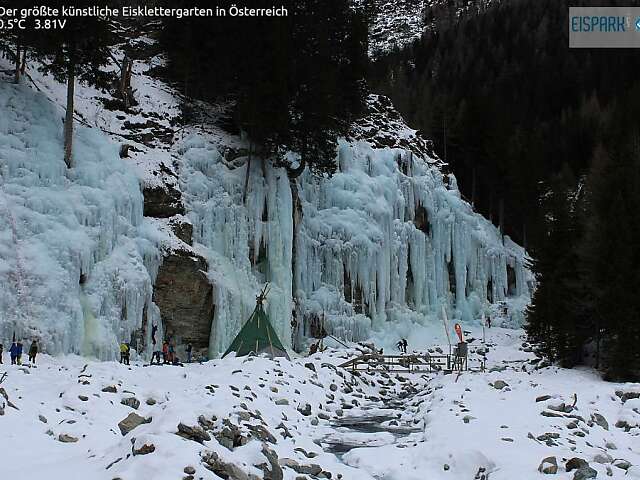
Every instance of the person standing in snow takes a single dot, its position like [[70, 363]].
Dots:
[[19, 353], [405, 344], [165, 352], [488, 321], [172, 353], [13, 352], [156, 356], [1, 352], [123, 352], [33, 351], [189, 349]]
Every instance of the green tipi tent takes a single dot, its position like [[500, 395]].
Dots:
[[257, 336]]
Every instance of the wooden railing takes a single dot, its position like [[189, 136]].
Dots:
[[412, 363]]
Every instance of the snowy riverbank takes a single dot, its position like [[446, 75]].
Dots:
[[303, 415]]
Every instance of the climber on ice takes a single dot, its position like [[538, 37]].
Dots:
[[154, 329]]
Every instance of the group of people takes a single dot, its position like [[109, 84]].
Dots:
[[15, 352], [164, 356], [168, 354], [402, 345]]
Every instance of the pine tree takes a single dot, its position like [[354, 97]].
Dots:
[[611, 252], [296, 81], [552, 320]]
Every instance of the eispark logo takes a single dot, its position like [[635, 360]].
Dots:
[[604, 27], [598, 24]]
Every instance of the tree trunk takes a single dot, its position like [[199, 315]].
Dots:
[[246, 178], [68, 120], [501, 219], [125, 81], [17, 76], [23, 66], [473, 188], [296, 220]]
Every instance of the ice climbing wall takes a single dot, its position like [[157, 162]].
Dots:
[[385, 239], [76, 269], [390, 237]]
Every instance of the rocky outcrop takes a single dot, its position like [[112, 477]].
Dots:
[[162, 201], [184, 296], [182, 229]]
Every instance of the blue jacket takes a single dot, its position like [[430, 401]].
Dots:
[[19, 349], [13, 350]]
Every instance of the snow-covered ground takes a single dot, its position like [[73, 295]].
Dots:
[[242, 416]]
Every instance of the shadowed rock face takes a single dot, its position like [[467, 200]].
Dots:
[[185, 298], [162, 202]]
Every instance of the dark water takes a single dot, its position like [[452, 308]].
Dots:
[[374, 423]]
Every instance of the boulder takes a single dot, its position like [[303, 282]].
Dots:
[[622, 464], [230, 436], [275, 471], [603, 458], [110, 389], [132, 421], [312, 469], [548, 466], [195, 433], [132, 402], [499, 384], [305, 409], [146, 449], [575, 463], [64, 438], [583, 473], [624, 396], [261, 433], [600, 420], [214, 463]]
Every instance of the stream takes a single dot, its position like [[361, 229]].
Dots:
[[372, 427]]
